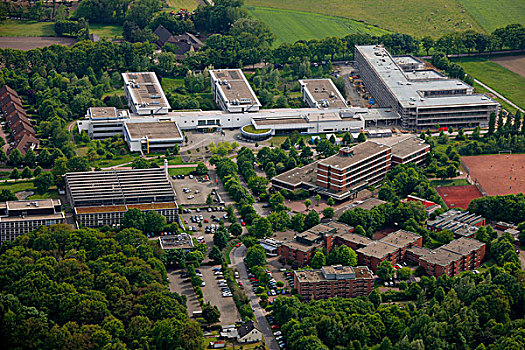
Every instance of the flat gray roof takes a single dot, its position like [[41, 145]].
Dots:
[[145, 88], [408, 146], [56, 216], [360, 151], [113, 187], [408, 92], [296, 176], [103, 112], [279, 120], [324, 91], [401, 238], [441, 257], [31, 204], [233, 85], [378, 249], [154, 130]]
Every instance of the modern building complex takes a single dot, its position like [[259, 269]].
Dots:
[[152, 136], [334, 281], [453, 258], [181, 241], [232, 92], [321, 93], [24, 137], [423, 98], [343, 175], [461, 223], [20, 217], [144, 94], [102, 197], [392, 248]]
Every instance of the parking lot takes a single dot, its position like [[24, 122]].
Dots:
[[212, 293], [183, 288], [192, 218], [191, 192]]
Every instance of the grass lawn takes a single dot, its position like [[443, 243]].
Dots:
[[49, 194], [18, 186], [251, 129], [415, 17], [181, 171], [175, 5], [106, 31], [170, 83], [453, 182], [290, 26], [495, 14], [104, 163], [504, 81], [480, 89], [26, 28], [176, 161]]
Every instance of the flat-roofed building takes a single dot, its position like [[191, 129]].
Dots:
[[152, 136], [353, 169], [103, 122], [232, 91], [410, 150], [144, 93], [321, 93], [181, 241], [20, 217], [334, 281], [297, 178], [102, 197], [453, 258], [461, 223], [423, 100]]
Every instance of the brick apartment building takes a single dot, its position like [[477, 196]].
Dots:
[[392, 248], [334, 281], [453, 258]]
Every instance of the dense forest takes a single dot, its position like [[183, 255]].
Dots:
[[483, 311], [83, 289]]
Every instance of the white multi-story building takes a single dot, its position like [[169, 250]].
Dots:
[[232, 92], [144, 94]]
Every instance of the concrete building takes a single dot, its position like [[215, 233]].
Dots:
[[232, 92], [353, 169], [103, 197], [461, 223], [103, 122], [392, 248], [334, 281], [144, 94], [152, 136], [20, 217], [453, 258], [181, 241], [423, 99], [321, 93]]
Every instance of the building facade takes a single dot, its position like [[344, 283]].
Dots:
[[334, 281], [20, 217]]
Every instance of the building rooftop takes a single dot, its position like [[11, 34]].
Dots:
[[401, 238], [30, 204], [154, 130], [234, 87], [124, 208], [370, 203], [180, 241], [323, 92], [145, 90], [411, 94], [340, 227], [355, 238], [378, 249], [295, 245], [441, 257], [456, 221], [55, 216], [112, 187], [296, 176], [334, 272], [356, 154], [264, 121], [463, 245], [408, 146], [427, 74], [102, 113], [320, 229]]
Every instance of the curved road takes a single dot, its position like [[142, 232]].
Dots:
[[237, 261]]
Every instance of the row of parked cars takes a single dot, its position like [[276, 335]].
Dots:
[[276, 332], [225, 290], [289, 278]]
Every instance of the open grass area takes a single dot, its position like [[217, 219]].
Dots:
[[170, 83], [452, 182], [175, 161], [504, 81], [26, 28], [17, 186], [176, 5], [290, 26], [415, 17], [105, 163], [252, 130], [181, 171], [106, 31], [492, 14]]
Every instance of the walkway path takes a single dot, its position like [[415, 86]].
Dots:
[[499, 95]]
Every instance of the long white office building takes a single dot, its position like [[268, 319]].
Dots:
[[423, 98]]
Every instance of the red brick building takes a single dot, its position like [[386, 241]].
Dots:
[[410, 150], [334, 281], [453, 258], [392, 248]]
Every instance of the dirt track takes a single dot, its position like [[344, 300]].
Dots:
[[33, 42], [512, 63]]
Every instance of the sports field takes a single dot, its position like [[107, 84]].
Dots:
[[416, 17], [498, 174], [492, 14], [290, 26], [504, 81], [458, 196]]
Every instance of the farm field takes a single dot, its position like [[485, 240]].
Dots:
[[504, 81], [415, 17], [290, 26], [26, 28], [495, 14], [33, 42], [105, 31], [513, 63]]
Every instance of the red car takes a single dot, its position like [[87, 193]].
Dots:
[[240, 284], [275, 326], [238, 245], [243, 223], [206, 220]]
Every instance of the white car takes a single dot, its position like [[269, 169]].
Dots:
[[191, 176], [191, 197], [203, 284], [278, 333]]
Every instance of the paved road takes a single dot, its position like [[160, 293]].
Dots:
[[499, 95], [237, 255]]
